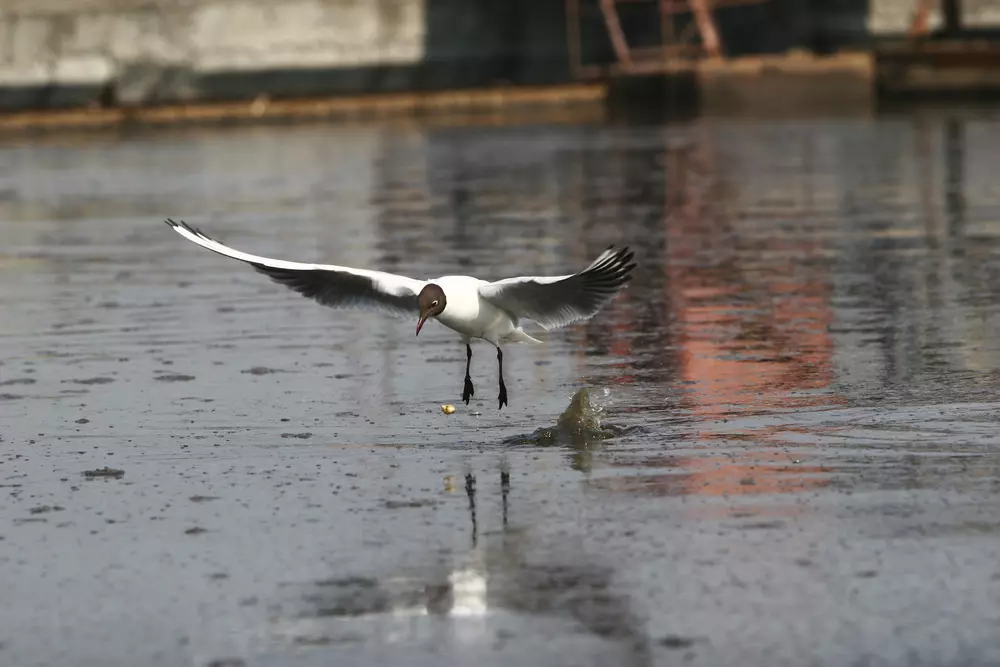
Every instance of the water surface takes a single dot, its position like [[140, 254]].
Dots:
[[801, 379]]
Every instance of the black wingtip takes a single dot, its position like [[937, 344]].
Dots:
[[175, 224], [612, 271]]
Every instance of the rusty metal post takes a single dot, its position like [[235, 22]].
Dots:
[[573, 40], [615, 32], [706, 26], [667, 37]]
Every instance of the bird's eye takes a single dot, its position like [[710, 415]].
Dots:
[[434, 304]]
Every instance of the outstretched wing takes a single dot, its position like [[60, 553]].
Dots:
[[561, 300], [334, 286]]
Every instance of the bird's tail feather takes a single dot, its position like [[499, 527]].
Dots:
[[518, 336]]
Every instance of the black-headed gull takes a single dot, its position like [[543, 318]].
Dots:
[[472, 307]]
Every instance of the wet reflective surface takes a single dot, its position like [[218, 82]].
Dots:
[[797, 461]]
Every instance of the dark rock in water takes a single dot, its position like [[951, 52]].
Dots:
[[579, 425]]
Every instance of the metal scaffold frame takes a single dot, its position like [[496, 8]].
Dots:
[[674, 48], [951, 11]]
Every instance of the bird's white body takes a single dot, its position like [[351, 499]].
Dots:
[[473, 308], [467, 313]]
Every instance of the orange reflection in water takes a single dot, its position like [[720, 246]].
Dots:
[[751, 319], [753, 472]]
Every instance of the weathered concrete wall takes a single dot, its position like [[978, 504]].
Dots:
[[68, 52], [79, 52]]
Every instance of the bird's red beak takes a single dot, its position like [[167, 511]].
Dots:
[[420, 323]]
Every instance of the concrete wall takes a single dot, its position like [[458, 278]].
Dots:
[[69, 52], [58, 53]]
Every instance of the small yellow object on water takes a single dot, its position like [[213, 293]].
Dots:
[[449, 483], [447, 409]]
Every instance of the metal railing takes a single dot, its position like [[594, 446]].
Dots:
[[675, 50]]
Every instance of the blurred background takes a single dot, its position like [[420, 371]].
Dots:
[[705, 54], [790, 452]]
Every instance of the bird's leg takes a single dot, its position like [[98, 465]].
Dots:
[[468, 392], [503, 387]]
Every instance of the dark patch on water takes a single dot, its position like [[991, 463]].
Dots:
[[174, 377], [226, 662], [759, 525], [677, 642], [262, 370], [404, 504], [104, 473], [45, 509]]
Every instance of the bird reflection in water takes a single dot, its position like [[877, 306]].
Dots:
[[470, 491], [508, 587]]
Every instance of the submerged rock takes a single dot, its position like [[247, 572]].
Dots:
[[579, 425]]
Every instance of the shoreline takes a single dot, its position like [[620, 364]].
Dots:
[[786, 85]]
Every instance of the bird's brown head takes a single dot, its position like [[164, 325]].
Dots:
[[432, 302]]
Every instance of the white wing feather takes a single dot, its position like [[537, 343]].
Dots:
[[555, 301], [330, 285]]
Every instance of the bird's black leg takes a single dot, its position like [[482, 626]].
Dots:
[[503, 387], [468, 392]]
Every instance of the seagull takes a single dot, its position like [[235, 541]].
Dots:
[[473, 308]]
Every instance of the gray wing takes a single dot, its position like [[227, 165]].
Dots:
[[561, 300], [334, 286]]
